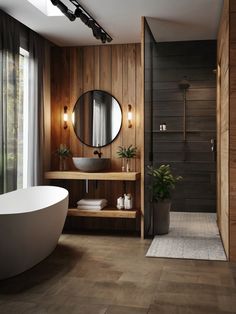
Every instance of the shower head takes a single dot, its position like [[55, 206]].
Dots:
[[184, 84]]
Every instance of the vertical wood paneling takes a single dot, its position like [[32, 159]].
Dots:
[[75, 90], [88, 64], [117, 83], [223, 129], [105, 81], [232, 132], [115, 69], [226, 127], [117, 91]]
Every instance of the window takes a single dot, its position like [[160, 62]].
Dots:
[[22, 134]]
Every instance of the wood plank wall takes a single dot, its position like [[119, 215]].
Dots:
[[112, 68], [189, 156], [232, 123], [223, 128], [226, 112]]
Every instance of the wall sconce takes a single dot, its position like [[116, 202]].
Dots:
[[130, 116], [65, 117]]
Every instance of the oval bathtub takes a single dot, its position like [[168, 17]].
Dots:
[[31, 222]]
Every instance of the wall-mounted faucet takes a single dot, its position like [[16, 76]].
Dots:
[[99, 153]]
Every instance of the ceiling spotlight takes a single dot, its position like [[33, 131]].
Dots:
[[84, 18], [91, 23], [96, 32], [109, 39], [68, 13], [103, 37], [78, 12]]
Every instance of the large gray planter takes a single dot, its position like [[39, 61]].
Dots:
[[161, 217]]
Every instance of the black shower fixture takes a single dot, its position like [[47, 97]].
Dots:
[[184, 84], [98, 32]]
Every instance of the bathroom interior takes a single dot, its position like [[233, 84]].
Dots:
[[87, 217]]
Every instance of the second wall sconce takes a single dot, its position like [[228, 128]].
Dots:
[[130, 116], [65, 117]]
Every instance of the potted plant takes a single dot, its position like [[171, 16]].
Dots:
[[127, 154], [63, 152], [163, 182]]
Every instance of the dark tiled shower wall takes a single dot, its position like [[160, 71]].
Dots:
[[193, 158]]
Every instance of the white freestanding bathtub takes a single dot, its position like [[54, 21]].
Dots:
[[31, 222]]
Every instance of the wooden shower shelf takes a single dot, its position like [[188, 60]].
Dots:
[[104, 213], [167, 131], [78, 175]]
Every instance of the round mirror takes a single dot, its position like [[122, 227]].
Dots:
[[97, 118]]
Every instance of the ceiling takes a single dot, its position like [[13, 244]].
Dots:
[[170, 20]]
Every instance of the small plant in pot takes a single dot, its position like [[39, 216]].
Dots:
[[127, 154], [163, 182], [63, 152]]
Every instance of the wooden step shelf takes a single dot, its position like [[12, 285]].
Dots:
[[78, 175], [104, 213]]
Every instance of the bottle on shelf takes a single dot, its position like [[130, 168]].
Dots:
[[128, 202], [120, 202]]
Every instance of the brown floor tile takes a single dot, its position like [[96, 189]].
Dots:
[[110, 274], [116, 309]]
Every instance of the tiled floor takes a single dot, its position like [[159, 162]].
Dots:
[[191, 235], [109, 274]]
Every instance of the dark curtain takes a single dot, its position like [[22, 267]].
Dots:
[[14, 35], [9, 100], [36, 109]]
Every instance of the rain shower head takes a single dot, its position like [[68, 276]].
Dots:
[[184, 84]]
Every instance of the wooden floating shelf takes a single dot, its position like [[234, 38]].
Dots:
[[104, 213], [200, 131], [78, 175]]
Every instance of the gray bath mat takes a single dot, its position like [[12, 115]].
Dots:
[[192, 236]]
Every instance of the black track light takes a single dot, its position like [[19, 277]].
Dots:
[[86, 18], [109, 39], [103, 37], [91, 23], [70, 15], [97, 32], [78, 12], [61, 6]]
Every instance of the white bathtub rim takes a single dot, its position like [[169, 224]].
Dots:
[[22, 210]]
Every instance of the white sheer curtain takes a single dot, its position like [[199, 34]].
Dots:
[[99, 123]]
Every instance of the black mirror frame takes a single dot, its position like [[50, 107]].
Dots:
[[99, 90]]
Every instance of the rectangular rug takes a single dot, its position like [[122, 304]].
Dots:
[[191, 236]]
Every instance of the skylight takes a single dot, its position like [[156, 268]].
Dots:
[[46, 7]]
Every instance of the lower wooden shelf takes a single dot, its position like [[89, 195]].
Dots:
[[104, 213]]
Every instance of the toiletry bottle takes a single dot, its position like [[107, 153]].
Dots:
[[161, 127], [120, 203], [126, 200], [164, 127], [129, 204]]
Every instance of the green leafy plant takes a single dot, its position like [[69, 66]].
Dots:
[[163, 182], [129, 152], [63, 151]]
